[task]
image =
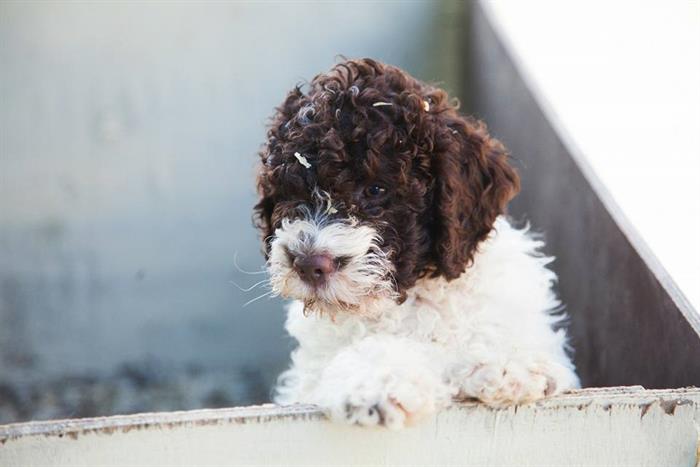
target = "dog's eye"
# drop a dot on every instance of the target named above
(375, 191)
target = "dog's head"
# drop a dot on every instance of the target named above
(370, 181)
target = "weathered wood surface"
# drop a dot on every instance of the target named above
(611, 427)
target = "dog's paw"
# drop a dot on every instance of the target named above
(381, 381)
(517, 383)
(384, 412)
(386, 402)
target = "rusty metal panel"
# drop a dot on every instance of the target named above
(630, 324)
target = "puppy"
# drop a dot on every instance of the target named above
(381, 210)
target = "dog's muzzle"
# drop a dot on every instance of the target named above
(333, 263)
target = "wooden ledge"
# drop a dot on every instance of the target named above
(598, 426)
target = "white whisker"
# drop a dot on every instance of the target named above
(266, 294)
(248, 289)
(240, 269)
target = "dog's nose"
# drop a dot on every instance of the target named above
(314, 269)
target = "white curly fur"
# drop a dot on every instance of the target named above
(356, 287)
(493, 334)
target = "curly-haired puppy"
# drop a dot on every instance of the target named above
(381, 211)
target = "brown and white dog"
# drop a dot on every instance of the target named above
(381, 209)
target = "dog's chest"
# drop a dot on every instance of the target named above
(433, 312)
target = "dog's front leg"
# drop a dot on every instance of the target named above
(383, 380)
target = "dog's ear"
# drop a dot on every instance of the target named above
(473, 182)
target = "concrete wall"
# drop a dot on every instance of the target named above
(128, 134)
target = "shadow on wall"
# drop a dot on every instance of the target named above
(126, 164)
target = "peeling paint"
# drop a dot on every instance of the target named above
(606, 398)
(165, 420)
(697, 448)
(618, 422)
(669, 406)
(645, 409)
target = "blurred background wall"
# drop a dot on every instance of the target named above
(128, 137)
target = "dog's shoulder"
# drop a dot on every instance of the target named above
(511, 256)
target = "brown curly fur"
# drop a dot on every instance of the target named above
(446, 179)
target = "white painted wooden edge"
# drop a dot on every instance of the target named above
(266, 412)
(600, 426)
